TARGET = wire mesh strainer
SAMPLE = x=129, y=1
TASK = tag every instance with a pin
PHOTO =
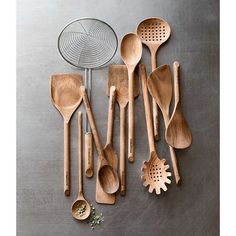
x=87, y=43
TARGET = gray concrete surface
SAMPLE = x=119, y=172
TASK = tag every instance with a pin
x=193, y=208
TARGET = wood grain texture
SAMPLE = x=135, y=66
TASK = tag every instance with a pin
x=178, y=134
x=160, y=87
x=153, y=32
x=154, y=171
x=131, y=53
x=66, y=97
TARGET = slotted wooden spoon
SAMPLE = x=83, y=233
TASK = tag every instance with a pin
x=131, y=53
x=154, y=170
x=66, y=97
x=178, y=134
x=153, y=32
x=110, y=153
x=118, y=77
x=107, y=176
x=160, y=87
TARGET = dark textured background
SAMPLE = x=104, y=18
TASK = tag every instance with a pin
x=42, y=208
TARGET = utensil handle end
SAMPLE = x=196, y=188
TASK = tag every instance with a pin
x=89, y=155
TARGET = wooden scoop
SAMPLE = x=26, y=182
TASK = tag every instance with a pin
x=154, y=170
x=178, y=134
x=160, y=87
x=110, y=153
x=107, y=176
x=131, y=53
x=66, y=97
x=153, y=32
x=118, y=77
x=80, y=204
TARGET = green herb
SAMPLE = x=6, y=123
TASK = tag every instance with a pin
x=81, y=210
x=95, y=219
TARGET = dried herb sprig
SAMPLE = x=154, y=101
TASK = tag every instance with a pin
x=95, y=218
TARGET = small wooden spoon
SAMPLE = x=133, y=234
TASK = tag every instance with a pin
x=80, y=202
x=160, y=87
x=118, y=77
x=153, y=32
x=131, y=53
x=66, y=97
x=108, y=177
x=154, y=170
x=178, y=134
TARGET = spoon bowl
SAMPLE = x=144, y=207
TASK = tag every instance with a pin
x=85, y=208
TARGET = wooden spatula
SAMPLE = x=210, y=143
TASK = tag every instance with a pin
x=118, y=77
x=66, y=97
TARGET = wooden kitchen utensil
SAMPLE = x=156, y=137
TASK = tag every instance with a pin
x=154, y=170
x=160, y=87
x=66, y=97
x=108, y=177
x=110, y=153
x=153, y=32
x=80, y=208
x=88, y=43
x=131, y=53
x=118, y=77
x=178, y=134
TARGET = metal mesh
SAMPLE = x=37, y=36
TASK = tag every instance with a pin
x=87, y=43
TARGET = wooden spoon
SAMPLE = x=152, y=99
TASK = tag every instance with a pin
x=178, y=134
x=154, y=170
x=110, y=153
x=80, y=202
x=118, y=77
x=131, y=53
x=160, y=87
x=153, y=32
x=66, y=97
x=107, y=176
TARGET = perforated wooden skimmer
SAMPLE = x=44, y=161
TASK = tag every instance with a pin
x=153, y=32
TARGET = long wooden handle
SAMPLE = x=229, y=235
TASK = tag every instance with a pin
x=111, y=113
x=80, y=151
x=92, y=122
x=176, y=81
x=122, y=151
x=67, y=158
x=154, y=105
x=147, y=108
x=89, y=154
x=173, y=155
x=131, y=117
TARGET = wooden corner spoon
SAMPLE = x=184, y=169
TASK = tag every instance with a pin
x=80, y=208
x=160, y=87
x=178, y=134
x=154, y=170
x=66, y=97
x=131, y=53
x=107, y=176
x=118, y=77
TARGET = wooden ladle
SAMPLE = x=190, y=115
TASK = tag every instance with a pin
x=66, y=97
x=108, y=177
x=178, y=134
x=154, y=170
x=153, y=32
x=80, y=203
x=131, y=53
x=160, y=87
